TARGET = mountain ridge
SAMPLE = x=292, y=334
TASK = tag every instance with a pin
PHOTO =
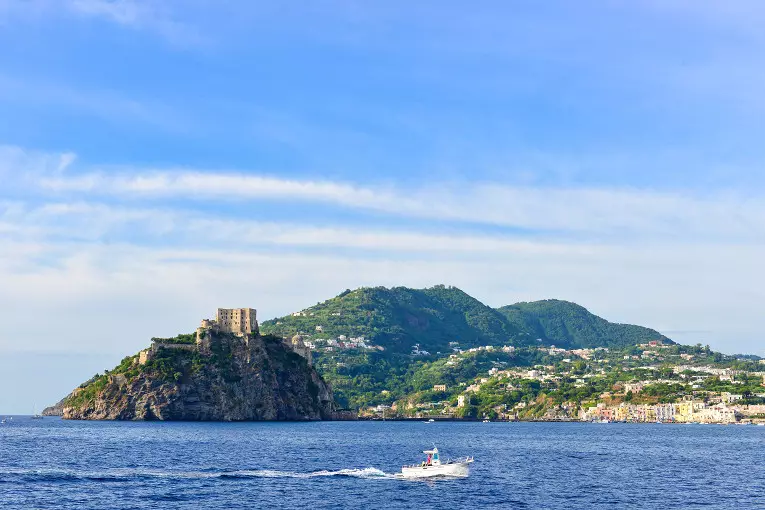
x=400, y=319
x=572, y=325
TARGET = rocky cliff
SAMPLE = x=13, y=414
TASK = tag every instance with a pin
x=56, y=409
x=230, y=378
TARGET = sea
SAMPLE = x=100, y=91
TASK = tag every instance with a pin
x=52, y=463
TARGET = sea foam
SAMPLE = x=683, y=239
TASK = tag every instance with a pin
x=116, y=475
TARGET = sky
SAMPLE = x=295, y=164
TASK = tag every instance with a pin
x=159, y=160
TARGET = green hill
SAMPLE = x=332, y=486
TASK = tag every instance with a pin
x=394, y=320
x=566, y=324
x=399, y=318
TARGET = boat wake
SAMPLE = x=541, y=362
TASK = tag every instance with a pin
x=369, y=472
x=117, y=475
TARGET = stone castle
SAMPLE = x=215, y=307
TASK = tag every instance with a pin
x=241, y=322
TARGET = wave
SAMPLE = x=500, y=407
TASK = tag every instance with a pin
x=116, y=475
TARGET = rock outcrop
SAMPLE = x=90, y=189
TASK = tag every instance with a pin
x=233, y=378
x=56, y=409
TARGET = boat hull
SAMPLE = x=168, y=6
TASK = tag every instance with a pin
x=459, y=469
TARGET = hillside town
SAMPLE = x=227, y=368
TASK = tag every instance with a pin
x=340, y=342
x=358, y=344
x=650, y=383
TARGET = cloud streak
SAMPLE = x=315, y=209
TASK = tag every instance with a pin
x=155, y=17
x=574, y=210
x=94, y=222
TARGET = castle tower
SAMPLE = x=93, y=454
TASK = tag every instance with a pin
x=240, y=321
x=300, y=348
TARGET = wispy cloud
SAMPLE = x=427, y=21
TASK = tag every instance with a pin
x=165, y=19
x=17, y=163
x=109, y=105
x=594, y=210
x=161, y=18
x=596, y=214
x=96, y=222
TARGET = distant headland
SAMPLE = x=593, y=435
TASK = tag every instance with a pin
x=402, y=353
x=226, y=371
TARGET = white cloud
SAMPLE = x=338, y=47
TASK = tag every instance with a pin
x=580, y=210
x=92, y=222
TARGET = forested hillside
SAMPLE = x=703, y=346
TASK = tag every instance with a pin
x=399, y=318
x=567, y=324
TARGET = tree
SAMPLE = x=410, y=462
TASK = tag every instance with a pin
x=470, y=411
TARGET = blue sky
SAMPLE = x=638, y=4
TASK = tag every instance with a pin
x=161, y=159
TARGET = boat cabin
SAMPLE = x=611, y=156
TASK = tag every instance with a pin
x=432, y=459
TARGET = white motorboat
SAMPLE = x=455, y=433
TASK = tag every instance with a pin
x=432, y=466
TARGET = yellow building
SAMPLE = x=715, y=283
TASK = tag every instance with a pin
x=684, y=412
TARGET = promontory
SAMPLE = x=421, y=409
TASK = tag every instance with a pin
x=226, y=371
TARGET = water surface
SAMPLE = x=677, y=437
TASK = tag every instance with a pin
x=52, y=463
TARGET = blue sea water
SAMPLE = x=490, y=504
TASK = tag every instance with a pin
x=52, y=463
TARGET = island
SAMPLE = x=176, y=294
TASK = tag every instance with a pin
x=226, y=371
x=433, y=353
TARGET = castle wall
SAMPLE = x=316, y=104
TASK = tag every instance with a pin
x=178, y=347
x=148, y=354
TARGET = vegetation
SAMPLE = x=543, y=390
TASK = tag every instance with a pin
x=398, y=318
x=395, y=320
x=566, y=324
x=362, y=379
x=87, y=391
x=186, y=338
